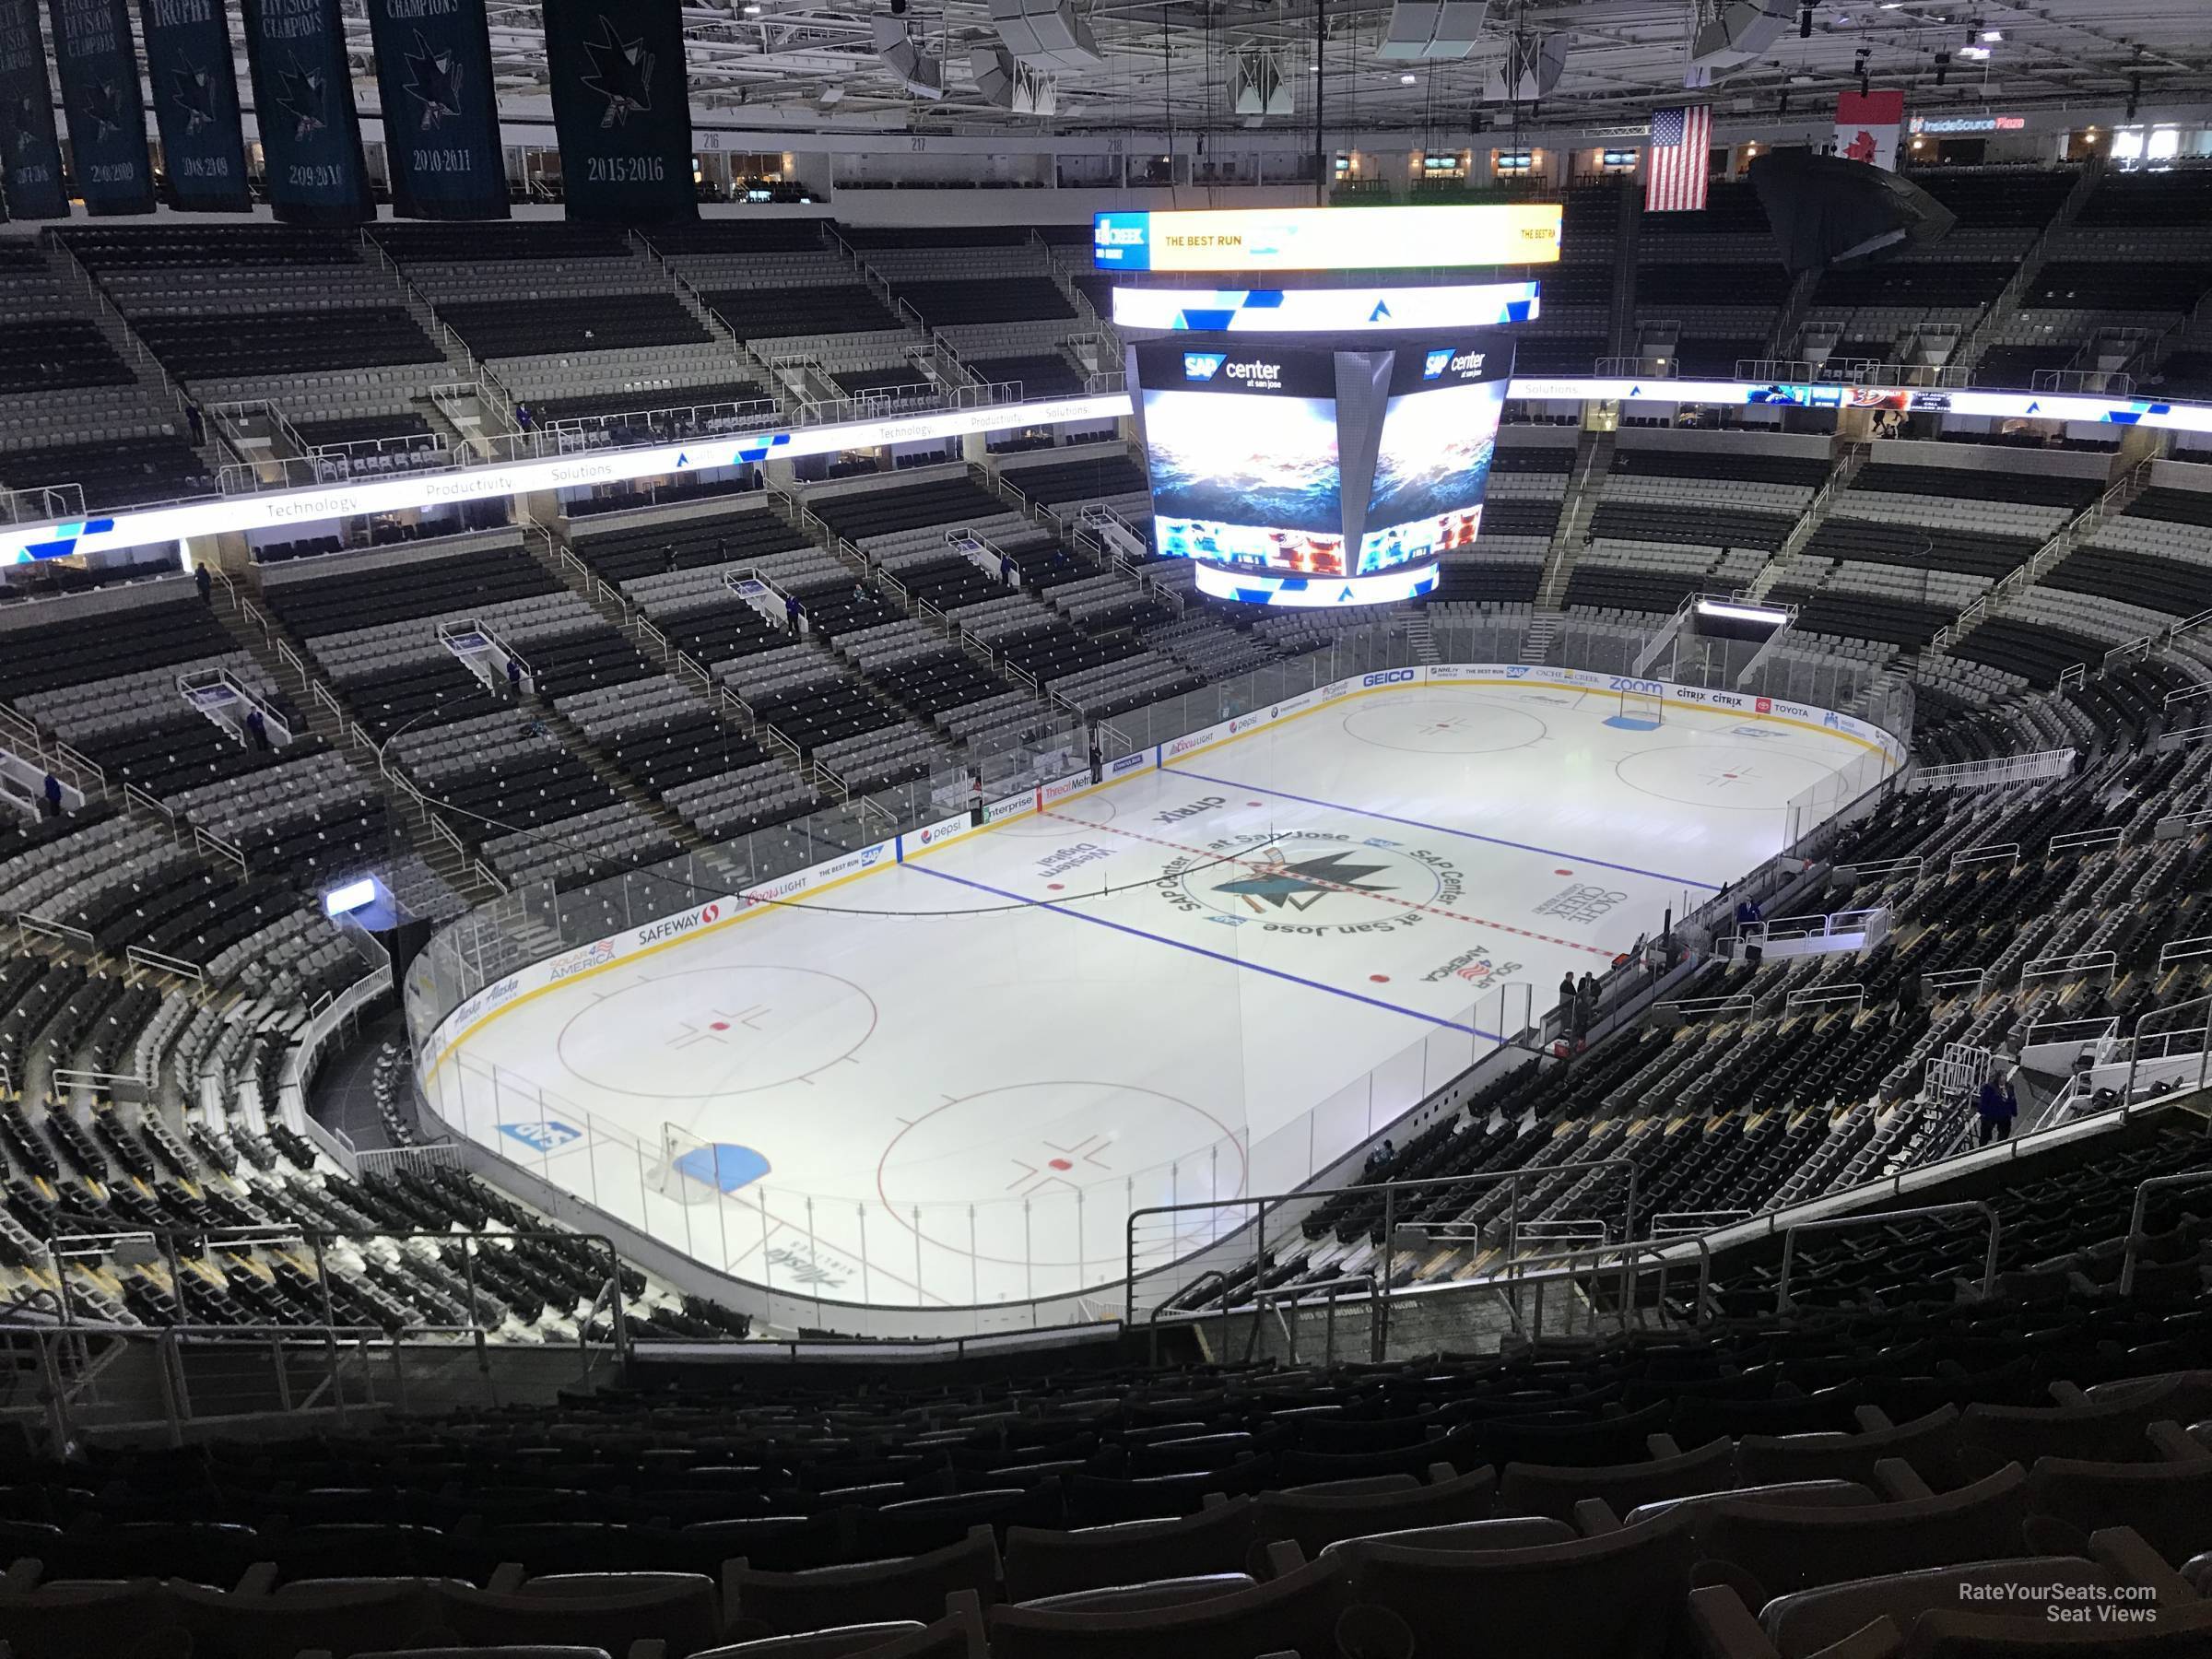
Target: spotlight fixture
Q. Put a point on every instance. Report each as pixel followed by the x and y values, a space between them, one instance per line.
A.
pixel 1992 34
pixel 1979 53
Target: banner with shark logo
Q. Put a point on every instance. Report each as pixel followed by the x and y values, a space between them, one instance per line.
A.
pixel 622 109
pixel 196 104
pixel 441 119
pixel 30 153
pixel 98 64
pixel 311 138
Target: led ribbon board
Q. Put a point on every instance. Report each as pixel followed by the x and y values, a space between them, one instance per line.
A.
pixel 1326 238
pixel 264 509
pixel 1326 310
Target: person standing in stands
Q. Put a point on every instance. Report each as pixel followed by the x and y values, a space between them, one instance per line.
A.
pixel 668 559
pixel 791 613
pixel 197 422
pixel 1568 1004
pixel 53 796
pixel 257 729
pixel 521 418
pixel 514 678
pixel 205 583
pixel 1585 1001
pixel 1997 1106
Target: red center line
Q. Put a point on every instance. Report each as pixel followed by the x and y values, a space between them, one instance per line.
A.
pixel 1337 887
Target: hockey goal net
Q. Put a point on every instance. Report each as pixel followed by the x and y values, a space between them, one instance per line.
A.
pixel 1642 708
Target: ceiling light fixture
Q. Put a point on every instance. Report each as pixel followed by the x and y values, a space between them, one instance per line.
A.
pixel 1992 34
pixel 1408 80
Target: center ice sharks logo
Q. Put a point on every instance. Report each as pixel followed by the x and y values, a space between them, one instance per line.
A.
pixel 1311 882
pixel 1277 883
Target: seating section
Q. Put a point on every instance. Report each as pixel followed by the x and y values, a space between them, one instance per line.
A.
pixel 53 346
pixel 73 410
pixel 1760 1487
pixel 305 318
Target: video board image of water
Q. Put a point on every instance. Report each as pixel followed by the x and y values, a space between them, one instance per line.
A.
pixel 1261 460
pixel 1434 456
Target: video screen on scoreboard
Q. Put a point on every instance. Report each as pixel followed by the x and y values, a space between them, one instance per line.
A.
pixel 1432 461
pixel 1243 451
pixel 1326 238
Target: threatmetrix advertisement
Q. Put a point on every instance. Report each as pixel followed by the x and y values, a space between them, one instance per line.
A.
pixel 1432 463
pixel 1242 448
pixel 1326 238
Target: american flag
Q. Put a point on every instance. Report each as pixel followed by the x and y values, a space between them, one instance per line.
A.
pixel 1673 173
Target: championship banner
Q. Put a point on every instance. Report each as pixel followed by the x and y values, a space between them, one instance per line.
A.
pixel 1866 127
pixel 196 104
pixel 442 118
pixel 98 66
pixel 311 137
pixel 30 153
pixel 621 108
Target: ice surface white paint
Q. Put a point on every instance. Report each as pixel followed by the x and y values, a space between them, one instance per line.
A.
pixel 950 1081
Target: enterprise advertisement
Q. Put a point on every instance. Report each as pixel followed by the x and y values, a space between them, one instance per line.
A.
pixel 1243 451
pixel 1432 464
pixel 1326 238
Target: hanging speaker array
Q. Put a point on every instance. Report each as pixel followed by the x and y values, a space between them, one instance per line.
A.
pixel 1046 34
pixel 1432 28
pixel 1533 65
pixel 920 73
pixel 1259 82
pixel 1012 85
pixel 1734 33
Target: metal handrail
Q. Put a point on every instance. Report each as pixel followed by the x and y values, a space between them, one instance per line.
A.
pixel 1330 1291
pixel 1834 1223
pixel 1390 1192
pixel 2134 1218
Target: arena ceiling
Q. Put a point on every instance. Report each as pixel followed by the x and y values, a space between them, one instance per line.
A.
pixel 809 62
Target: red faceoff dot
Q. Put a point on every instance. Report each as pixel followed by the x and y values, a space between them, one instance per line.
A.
pixel 1562 872
pixel 1252 803
pixel 1379 979
pixel 720 1025
pixel 1061 1163
pixel 1055 886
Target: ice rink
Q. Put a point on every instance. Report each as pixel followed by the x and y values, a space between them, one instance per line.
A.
pixel 948 1081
